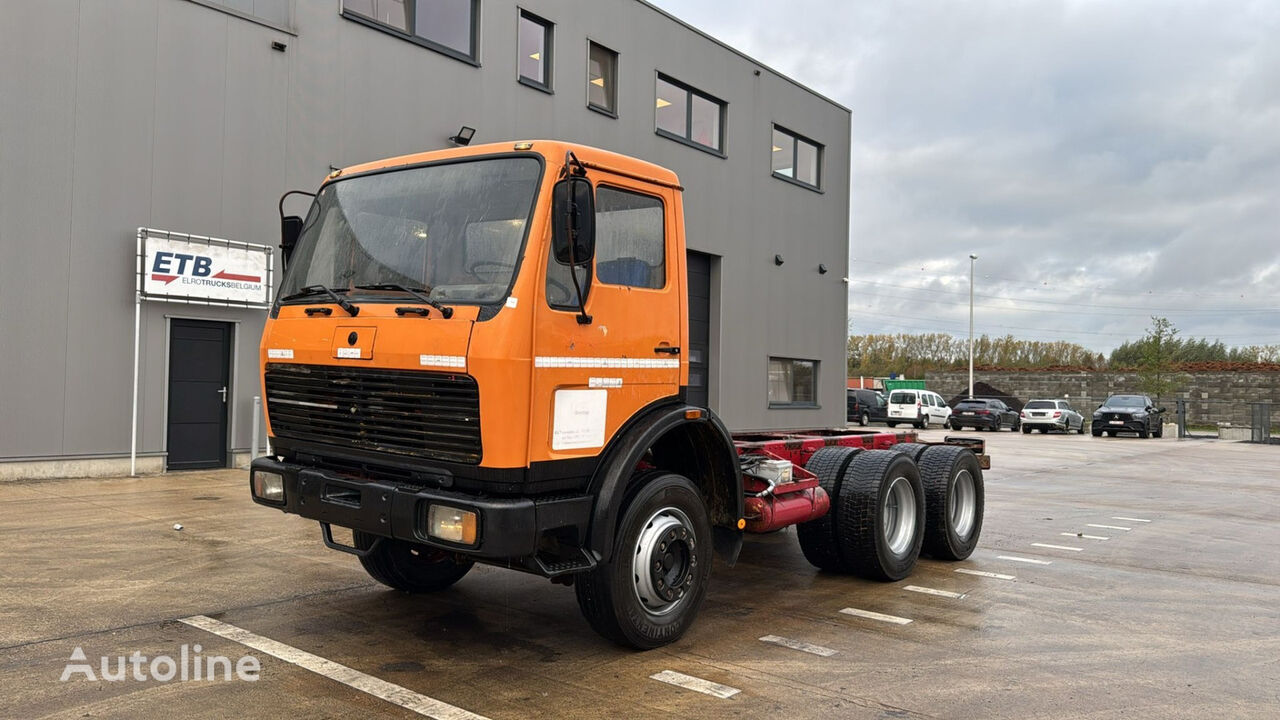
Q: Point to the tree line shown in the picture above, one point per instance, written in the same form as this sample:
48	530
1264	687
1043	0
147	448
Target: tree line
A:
917	355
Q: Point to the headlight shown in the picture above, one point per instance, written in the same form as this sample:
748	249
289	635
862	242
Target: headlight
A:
1139	415
451	524
1097	416
268	486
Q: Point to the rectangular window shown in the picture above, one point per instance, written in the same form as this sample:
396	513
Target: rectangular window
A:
602	77
793	382
446	26
688	115
630	239
796	158
533	45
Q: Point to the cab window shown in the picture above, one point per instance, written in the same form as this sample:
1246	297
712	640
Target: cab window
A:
630	239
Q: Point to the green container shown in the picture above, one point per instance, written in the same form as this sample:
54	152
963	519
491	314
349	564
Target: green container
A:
900	384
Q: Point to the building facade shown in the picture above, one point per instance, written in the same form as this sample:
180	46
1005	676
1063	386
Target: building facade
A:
194	116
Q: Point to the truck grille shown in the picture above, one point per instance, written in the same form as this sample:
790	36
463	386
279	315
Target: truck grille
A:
405	412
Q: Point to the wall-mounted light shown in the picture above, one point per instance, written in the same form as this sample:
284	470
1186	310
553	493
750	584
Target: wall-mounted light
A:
822	268
464	136
777	260
278	46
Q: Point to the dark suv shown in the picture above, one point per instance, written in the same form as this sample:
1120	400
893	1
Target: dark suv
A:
983	414
865	406
1128	413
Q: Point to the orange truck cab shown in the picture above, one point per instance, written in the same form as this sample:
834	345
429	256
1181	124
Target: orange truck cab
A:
475	355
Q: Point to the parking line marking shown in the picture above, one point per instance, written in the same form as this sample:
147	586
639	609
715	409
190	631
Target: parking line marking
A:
1058	547
932	591
984	573
1086	537
1116	517
797	645
1015	558
876	616
392	693
1109	527
689	682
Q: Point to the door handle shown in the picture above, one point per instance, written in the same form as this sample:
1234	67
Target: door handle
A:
224	394
667	349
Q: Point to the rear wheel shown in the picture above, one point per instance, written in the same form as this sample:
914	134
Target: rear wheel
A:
924	423
649	592
1159	431
864	419
891	424
410	567
1026	430
911	450
953	501
1080	428
881	515
817	538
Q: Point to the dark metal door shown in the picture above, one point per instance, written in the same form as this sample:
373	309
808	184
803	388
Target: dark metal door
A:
699	265
199	380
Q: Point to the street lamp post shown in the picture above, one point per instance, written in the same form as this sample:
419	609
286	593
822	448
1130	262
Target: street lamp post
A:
972	258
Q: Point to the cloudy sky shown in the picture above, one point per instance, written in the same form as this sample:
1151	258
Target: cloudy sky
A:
1107	160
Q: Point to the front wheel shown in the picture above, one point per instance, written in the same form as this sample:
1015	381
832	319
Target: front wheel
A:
891	424
648	593
924	423
1026	430
410	567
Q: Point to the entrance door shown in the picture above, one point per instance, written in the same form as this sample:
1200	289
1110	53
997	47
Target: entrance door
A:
199	379
699	326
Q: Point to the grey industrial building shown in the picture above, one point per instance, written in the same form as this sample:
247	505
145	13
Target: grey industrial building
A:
194	116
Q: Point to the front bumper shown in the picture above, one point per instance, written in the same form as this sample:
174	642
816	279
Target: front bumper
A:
506	527
1120	425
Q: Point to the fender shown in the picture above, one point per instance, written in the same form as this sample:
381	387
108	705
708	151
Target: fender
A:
609	483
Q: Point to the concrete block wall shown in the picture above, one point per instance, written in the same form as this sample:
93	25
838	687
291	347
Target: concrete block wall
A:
1223	397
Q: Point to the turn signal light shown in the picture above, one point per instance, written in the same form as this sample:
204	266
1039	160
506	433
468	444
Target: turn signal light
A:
452	524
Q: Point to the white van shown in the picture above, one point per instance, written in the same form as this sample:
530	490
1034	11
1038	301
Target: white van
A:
921	408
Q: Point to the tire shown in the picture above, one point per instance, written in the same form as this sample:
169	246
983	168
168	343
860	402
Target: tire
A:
1026	430
1159	431
891	424
410	567
1044	430
1017	425
911	450
1143	434
881	515
924	423
954	499
817	537
648	594
1080	429
1097	433
864	419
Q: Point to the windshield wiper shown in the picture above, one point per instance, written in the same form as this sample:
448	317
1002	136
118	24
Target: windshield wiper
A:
342	302
420	293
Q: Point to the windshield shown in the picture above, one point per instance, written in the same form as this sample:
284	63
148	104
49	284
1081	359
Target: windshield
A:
1127	401
455	230
900	397
1039	405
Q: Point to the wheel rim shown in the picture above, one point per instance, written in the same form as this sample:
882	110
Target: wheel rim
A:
962	504
663	562
924	421
899	515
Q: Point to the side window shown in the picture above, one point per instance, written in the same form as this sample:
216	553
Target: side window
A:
630	239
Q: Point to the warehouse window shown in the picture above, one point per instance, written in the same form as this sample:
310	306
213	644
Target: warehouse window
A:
688	115
602	79
533	45
446	26
793	383
630	242
796	158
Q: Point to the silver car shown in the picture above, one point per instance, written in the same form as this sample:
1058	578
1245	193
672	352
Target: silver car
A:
1046	415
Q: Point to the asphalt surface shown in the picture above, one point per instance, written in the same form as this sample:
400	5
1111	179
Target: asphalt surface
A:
1176	617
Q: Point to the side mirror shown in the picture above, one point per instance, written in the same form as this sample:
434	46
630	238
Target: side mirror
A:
573	221
290	230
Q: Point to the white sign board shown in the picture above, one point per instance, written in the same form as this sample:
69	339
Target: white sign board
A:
579	419
178	267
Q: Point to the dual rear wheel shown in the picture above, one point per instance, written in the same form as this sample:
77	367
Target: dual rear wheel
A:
889	506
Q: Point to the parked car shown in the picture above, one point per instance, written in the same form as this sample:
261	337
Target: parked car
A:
866	406
984	414
1128	413
1046	415
917	407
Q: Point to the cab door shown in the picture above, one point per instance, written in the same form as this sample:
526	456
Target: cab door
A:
591	377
